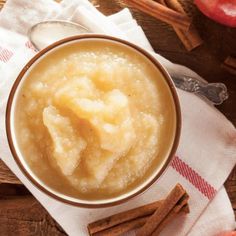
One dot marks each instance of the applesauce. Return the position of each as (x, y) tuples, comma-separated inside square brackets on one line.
[(94, 119)]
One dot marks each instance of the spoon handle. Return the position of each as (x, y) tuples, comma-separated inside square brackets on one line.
[(216, 93)]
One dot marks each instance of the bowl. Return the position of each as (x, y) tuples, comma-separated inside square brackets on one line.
[(18, 153)]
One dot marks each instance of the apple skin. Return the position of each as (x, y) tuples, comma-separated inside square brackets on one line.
[(222, 11)]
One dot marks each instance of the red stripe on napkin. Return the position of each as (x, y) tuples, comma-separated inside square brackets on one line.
[(29, 45), (5, 54), (193, 177)]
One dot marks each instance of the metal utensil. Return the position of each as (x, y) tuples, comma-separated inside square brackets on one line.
[(47, 32), (216, 93)]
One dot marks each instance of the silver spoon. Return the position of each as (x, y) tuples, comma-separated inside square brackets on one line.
[(47, 32)]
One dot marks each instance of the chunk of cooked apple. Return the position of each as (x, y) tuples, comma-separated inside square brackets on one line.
[(67, 144), (109, 115)]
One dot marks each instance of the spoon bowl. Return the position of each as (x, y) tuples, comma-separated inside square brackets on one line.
[(47, 32)]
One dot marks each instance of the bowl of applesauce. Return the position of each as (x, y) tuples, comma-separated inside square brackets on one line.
[(93, 120)]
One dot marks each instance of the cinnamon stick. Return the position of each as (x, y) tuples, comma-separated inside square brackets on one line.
[(138, 217), (162, 2), (122, 228), (190, 38), (230, 65), (162, 12), (134, 224), (159, 215), (181, 206), (122, 217)]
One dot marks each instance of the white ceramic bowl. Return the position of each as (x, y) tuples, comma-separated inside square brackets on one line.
[(19, 158)]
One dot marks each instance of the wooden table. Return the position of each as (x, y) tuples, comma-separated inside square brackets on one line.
[(20, 212)]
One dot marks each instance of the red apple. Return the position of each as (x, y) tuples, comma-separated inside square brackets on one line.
[(233, 233), (222, 11)]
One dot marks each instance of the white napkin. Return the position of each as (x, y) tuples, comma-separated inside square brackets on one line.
[(207, 150)]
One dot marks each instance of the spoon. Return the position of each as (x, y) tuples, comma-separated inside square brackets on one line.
[(47, 32)]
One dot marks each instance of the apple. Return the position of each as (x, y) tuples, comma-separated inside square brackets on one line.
[(222, 11), (233, 233)]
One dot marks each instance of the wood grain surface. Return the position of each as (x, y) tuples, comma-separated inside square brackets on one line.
[(20, 212), (6, 176)]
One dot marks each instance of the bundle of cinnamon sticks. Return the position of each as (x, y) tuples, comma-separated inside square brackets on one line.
[(171, 12), (149, 219)]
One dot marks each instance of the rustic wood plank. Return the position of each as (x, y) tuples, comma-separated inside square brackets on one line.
[(6, 176), (23, 215), (7, 190)]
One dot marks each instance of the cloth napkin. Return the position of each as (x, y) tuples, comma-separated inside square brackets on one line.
[(207, 149)]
